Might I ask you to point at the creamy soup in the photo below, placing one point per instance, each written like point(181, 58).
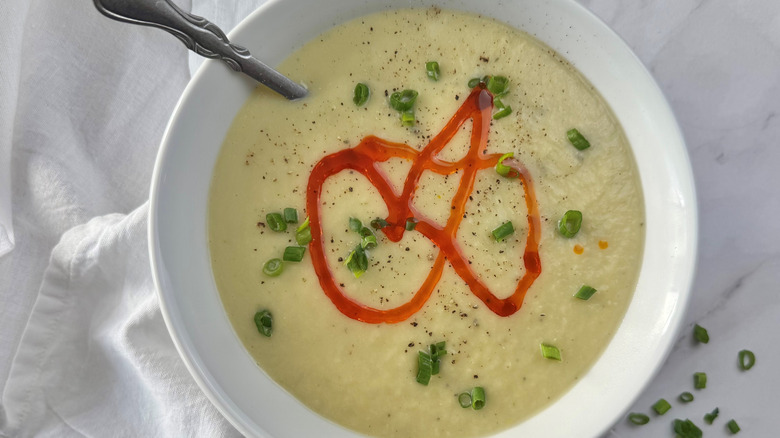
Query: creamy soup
point(340, 344)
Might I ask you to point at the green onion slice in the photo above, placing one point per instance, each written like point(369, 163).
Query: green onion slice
point(686, 429)
point(293, 253)
point(357, 261)
point(551, 352)
point(473, 82)
point(577, 140)
point(661, 407)
point(699, 380)
point(432, 70)
point(506, 171)
point(303, 237)
point(437, 350)
point(379, 223)
point(746, 359)
point(361, 94)
point(424, 368)
point(709, 418)
point(291, 215)
point(700, 333)
point(733, 426)
point(464, 398)
point(275, 222)
point(264, 322)
point(407, 118)
point(638, 419)
point(411, 223)
point(477, 398)
point(686, 397)
point(503, 231)
point(498, 85)
point(368, 242)
point(503, 112)
point(355, 224)
point(403, 100)
point(273, 267)
point(585, 292)
point(570, 223)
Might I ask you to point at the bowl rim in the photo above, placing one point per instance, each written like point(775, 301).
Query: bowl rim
point(684, 254)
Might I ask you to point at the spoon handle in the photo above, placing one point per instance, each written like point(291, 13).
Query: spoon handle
point(201, 36)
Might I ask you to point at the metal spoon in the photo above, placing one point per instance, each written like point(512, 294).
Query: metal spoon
point(201, 36)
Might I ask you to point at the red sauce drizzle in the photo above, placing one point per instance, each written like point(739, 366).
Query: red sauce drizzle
point(364, 159)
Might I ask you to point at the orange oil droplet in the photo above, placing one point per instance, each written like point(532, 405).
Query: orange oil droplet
point(603, 244)
point(578, 249)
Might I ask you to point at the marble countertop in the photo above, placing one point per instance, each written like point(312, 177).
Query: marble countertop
point(718, 62)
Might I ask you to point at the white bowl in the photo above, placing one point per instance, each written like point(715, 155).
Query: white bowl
point(256, 405)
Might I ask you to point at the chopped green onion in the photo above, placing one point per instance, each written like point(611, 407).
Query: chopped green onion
point(709, 418)
point(368, 242)
point(570, 223)
point(437, 350)
point(357, 261)
point(403, 100)
point(638, 419)
point(379, 223)
point(273, 267)
point(464, 398)
point(661, 407)
point(503, 112)
point(355, 224)
point(686, 397)
point(506, 171)
point(585, 292)
point(686, 429)
point(733, 426)
point(432, 70)
point(407, 118)
point(275, 222)
point(293, 253)
point(424, 368)
point(291, 215)
point(700, 333)
point(577, 140)
point(411, 223)
point(503, 231)
point(303, 234)
point(746, 359)
point(498, 85)
point(477, 398)
point(304, 225)
point(264, 322)
point(551, 352)
point(699, 380)
point(361, 94)
point(474, 82)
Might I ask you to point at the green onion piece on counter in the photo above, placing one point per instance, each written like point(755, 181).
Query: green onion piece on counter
point(699, 380)
point(585, 292)
point(273, 267)
point(464, 399)
point(746, 360)
point(424, 368)
point(577, 140)
point(411, 223)
point(503, 231)
point(661, 407)
point(293, 253)
point(570, 223)
point(474, 82)
point(432, 70)
point(700, 334)
point(264, 322)
point(407, 118)
point(503, 112)
point(733, 426)
point(436, 351)
point(368, 242)
point(550, 352)
point(686, 429)
point(275, 222)
point(355, 224)
point(709, 418)
point(291, 215)
point(498, 85)
point(361, 94)
point(403, 100)
point(303, 233)
point(477, 398)
point(685, 397)
point(638, 419)
point(503, 170)
point(357, 261)
point(379, 223)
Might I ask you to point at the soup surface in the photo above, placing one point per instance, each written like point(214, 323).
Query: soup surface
point(363, 374)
